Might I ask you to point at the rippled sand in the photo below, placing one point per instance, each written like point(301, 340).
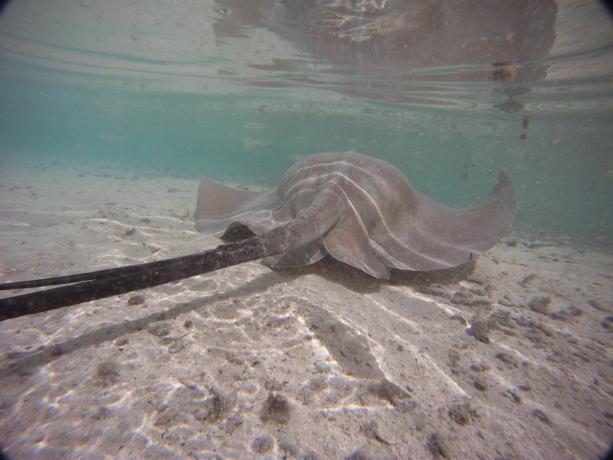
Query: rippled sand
point(509, 359)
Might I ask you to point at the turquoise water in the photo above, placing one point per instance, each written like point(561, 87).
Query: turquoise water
point(108, 106)
point(87, 85)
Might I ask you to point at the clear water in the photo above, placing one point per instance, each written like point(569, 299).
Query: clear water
point(238, 90)
point(229, 90)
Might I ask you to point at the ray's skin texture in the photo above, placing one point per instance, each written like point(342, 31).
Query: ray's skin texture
point(360, 210)
point(372, 219)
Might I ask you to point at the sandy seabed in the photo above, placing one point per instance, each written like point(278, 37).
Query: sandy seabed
point(509, 359)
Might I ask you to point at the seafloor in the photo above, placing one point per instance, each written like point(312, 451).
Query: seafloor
point(509, 359)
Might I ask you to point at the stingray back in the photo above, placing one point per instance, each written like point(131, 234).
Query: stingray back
point(387, 223)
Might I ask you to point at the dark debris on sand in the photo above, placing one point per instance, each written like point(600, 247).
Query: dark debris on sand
point(276, 409)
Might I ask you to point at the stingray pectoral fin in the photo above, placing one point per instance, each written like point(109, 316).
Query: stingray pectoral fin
point(478, 229)
point(442, 237)
point(218, 205)
point(349, 243)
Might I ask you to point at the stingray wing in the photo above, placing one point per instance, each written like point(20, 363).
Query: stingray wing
point(220, 208)
point(438, 237)
point(348, 242)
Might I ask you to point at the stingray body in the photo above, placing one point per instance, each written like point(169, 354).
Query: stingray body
point(362, 211)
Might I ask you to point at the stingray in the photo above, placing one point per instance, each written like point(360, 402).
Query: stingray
point(360, 210)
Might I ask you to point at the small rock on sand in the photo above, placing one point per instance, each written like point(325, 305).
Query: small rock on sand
point(540, 304)
point(439, 446)
point(136, 300)
point(262, 444)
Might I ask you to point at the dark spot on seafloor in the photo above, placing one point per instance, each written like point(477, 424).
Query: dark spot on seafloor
point(607, 323)
point(454, 357)
point(510, 106)
point(107, 373)
point(311, 455)
point(572, 311)
point(56, 350)
point(506, 358)
point(479, 330)
point(480, 383)
point(439, 446)
point(288, 448)
point(136, 300)
point(541, 416)
point(596, 305)
point(360, 454)
point(479, 367)
point(523, 136)
point(389, 391)
point(459, 318)
point(102, 413)
point(159, 329)
point(262, 444)
point(462, 413)
point(470, 300)
point(527, 279)
point(222, 10)
point(213, 409)
point(370, 452)
point(276, 409)
point(512, 395)
point(370, 429)
point(503, 71)
point(163, 420)
point(540, 304)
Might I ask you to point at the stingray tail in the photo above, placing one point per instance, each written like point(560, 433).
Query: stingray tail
point(119, 281)
point(108, 273)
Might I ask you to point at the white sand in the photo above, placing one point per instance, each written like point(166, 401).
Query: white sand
point(322, 361)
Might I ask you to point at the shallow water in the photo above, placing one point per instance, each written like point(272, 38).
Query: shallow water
point(110, 113)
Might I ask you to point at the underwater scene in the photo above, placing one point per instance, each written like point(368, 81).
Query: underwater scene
point(306, 229)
